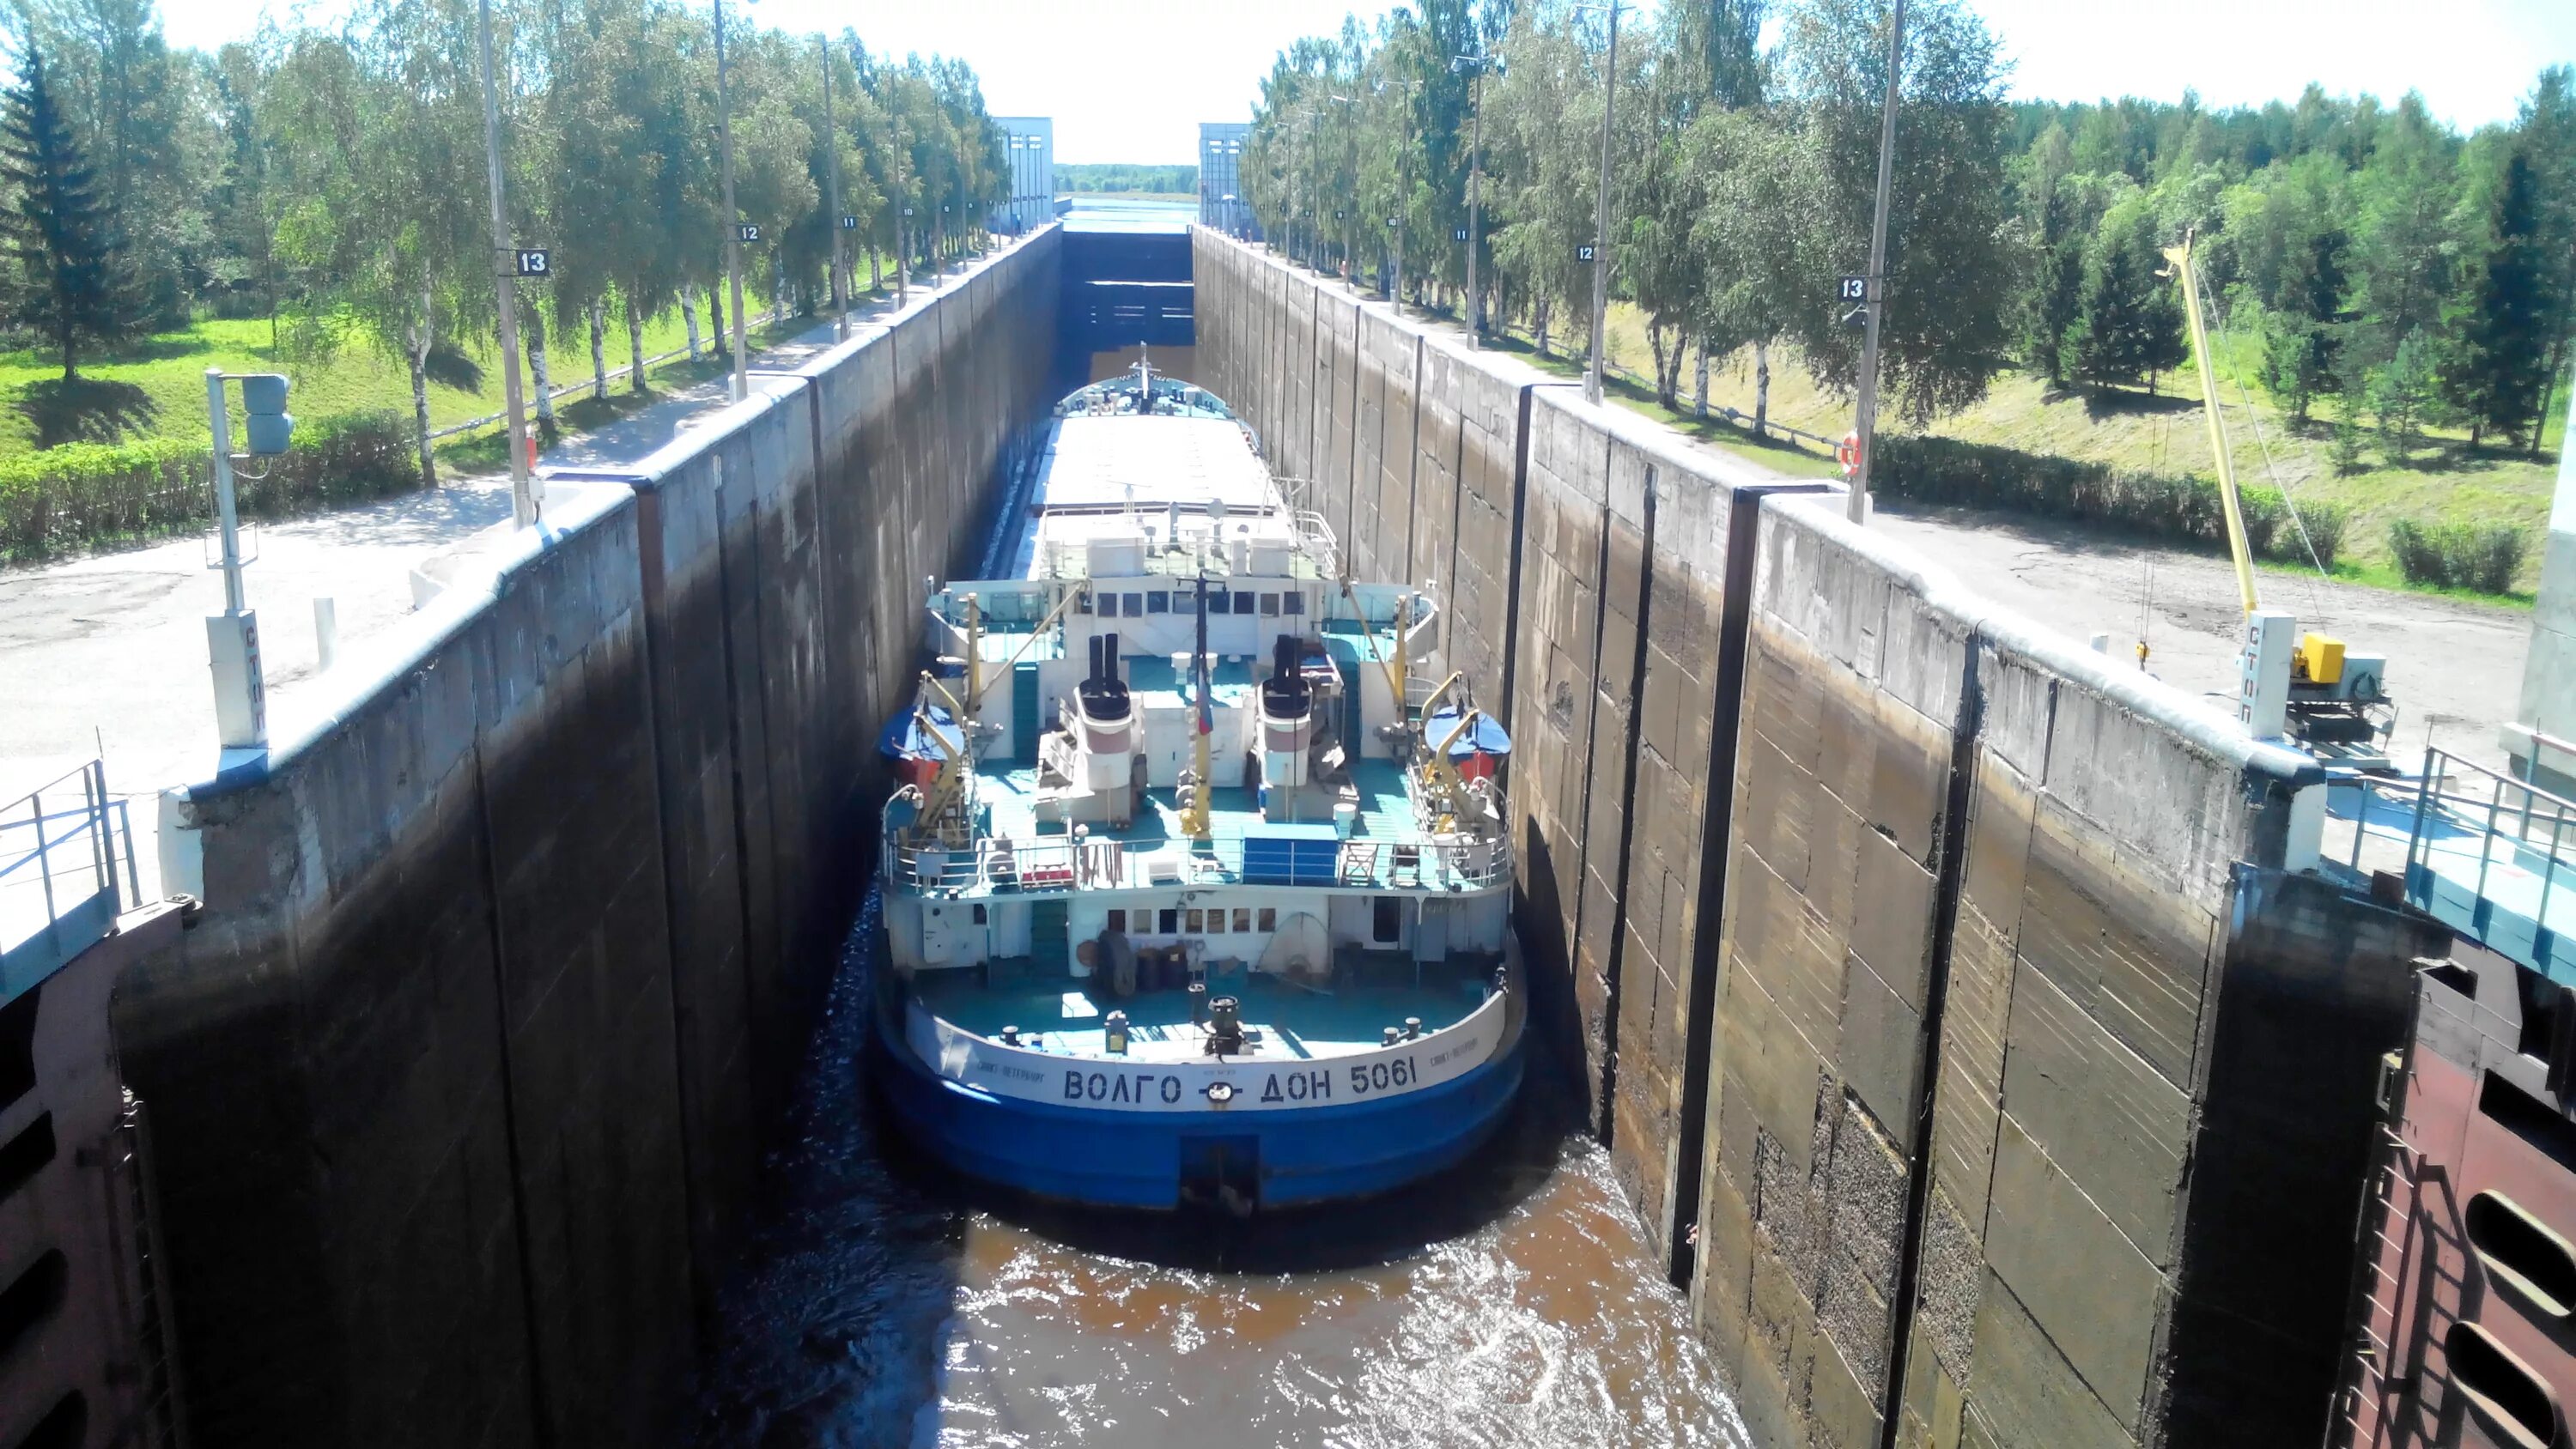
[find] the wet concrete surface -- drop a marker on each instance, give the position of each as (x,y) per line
(885,1303)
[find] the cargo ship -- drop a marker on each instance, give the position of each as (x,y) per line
(1196,869)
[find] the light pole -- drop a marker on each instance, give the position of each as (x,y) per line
(1349,213)
(733,220)
(902,216)
(1403,187)
(525,507)
(1476,64)
(1601,212)
(832,186)
(1865,422)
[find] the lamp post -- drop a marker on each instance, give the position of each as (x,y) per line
(1865,419)
(525,507)
(1344,213)
(1477,65)
(1403,188)
(832,190)
(733,220)
(902,218)
(1601,212)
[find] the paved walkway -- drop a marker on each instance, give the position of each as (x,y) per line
(106,656)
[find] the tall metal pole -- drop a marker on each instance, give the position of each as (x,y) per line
(525,507)
(832,186)
(902,215)
(1866,423)
(1601,219)
(733,220)
(227,519)
(1475,213)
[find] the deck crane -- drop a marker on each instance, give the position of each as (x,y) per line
(2306,686)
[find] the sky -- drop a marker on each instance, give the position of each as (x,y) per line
(1129,80)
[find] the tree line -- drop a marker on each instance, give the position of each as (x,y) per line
(331,178)
(2361,252)
(1120,177)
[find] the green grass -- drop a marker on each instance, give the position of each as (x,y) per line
(487,449)
(2437,481)
(156,387)
(1776,453)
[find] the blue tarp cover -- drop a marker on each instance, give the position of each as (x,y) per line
(904,739)
(1483,737)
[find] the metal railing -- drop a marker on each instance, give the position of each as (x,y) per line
(1051,864)
(2535,828)
(61,846)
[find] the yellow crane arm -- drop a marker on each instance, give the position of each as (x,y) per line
(2237,546)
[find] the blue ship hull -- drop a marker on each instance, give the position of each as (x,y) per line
(1298,1157)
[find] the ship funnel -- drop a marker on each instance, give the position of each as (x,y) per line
(1287,716)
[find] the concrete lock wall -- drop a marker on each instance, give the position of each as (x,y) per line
(1936,986)
(458,1086)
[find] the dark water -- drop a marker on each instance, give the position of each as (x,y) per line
(884,1304)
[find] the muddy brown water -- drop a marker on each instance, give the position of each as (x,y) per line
(883,1303)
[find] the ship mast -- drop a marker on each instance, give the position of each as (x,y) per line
(1194,819)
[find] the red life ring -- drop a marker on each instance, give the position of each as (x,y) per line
(1847,452)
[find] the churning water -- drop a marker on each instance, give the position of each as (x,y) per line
(1511,1303)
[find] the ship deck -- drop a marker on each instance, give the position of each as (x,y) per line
(1066,1016)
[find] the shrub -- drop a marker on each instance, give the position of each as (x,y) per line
(2484,557)
(2325,523)
(2167,506)
(61,499)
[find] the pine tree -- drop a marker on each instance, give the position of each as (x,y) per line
(2129,327)
(76,285)
(2504,340)
(2057,292)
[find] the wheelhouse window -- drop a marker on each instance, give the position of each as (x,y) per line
(1243,918)
(1197,922)
(1158,601)
(1269,605)
(1134,607)
(1243,603)
(1169,923)
(1219,601)
(1293,602)
(1269,918)
(1109,606)
(1216,921)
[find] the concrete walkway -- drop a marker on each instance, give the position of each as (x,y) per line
(106,656)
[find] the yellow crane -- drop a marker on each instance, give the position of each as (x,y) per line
(2328,696)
